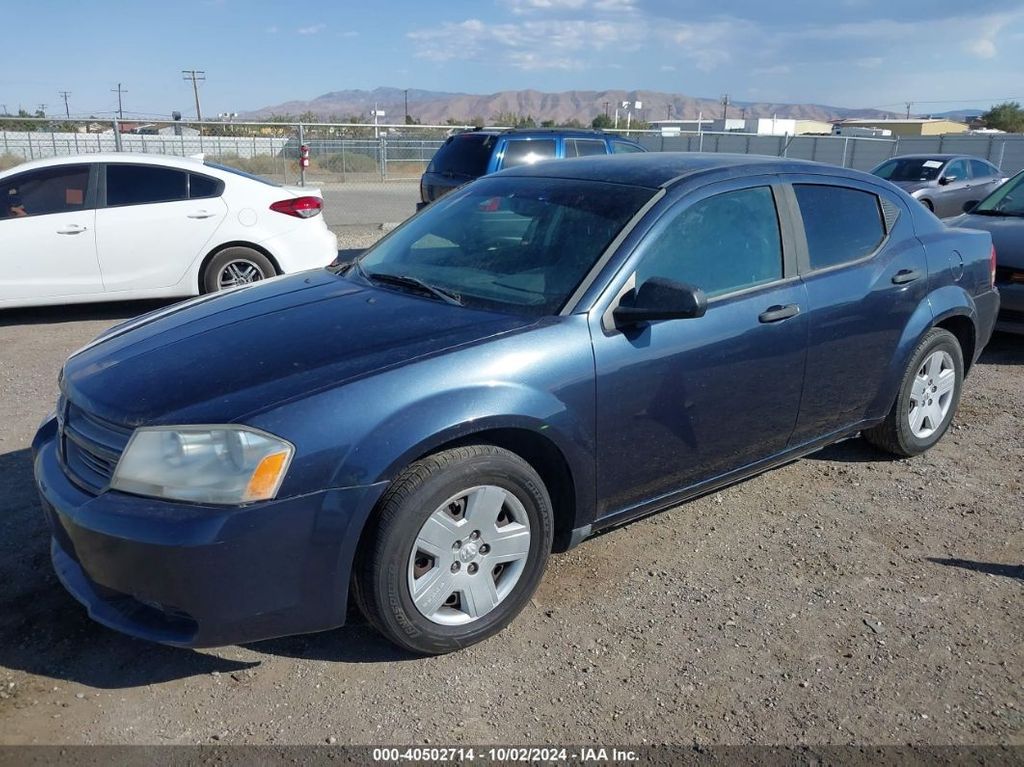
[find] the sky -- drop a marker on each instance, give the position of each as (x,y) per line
(939,54)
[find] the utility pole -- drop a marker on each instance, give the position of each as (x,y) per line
(64,95)
(606,114)
(725,107)
(42,110)
(909,104)
(406,106)
(120,110)
(195,75)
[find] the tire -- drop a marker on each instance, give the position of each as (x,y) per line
(928,205)
(249,266)
(934,378)
(475,585)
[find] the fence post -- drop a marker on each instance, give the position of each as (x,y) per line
(846,144)
(31,154)
(302,169)
(1002,152)
(7,149)
(942,140)
(382,151)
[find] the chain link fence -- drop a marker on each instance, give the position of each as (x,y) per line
(368,173)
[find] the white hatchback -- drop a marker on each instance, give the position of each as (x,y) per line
(108,227)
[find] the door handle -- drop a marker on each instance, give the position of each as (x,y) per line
(778,313)
(903,276)
(72,229)
(202,214)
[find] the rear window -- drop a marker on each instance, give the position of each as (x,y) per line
(582,147)
(623,147)
(203,186)
(981,169)
(910,169)
(237,172)
(465,155)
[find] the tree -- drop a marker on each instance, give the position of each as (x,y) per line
(601,122)
(1007,116)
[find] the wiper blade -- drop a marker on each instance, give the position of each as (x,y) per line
(405,280)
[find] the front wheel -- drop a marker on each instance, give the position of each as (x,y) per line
(460,545)
(928,397)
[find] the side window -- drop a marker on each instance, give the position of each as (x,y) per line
(841,224)
(720,244)
(981,169)
(958,170)
(623,147)
(581,147)
(142,184)
(203,186)
(61,189)
(525,152)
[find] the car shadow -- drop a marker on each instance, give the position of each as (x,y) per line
(45,632)
(108,310)
(1003,349)
(852,450)
(989,568)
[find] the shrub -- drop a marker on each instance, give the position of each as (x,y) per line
(348,162)
(8,160)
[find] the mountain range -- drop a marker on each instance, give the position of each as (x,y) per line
(435,107)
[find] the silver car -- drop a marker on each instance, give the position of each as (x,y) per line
(944,183)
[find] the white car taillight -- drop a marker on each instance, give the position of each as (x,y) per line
(300,207)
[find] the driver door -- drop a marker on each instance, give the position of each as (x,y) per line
(682,401)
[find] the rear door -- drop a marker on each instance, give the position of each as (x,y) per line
(47,234)
(526,151)
(584,147)
(150,231)
(865,274)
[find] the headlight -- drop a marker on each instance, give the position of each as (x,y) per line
(204,464)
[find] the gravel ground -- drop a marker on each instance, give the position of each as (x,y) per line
(844,598)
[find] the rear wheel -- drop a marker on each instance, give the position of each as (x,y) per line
(460,545)
(236,266)
(928,398)
(928,204)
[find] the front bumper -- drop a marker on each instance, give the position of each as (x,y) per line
(1011,308)
(195,576)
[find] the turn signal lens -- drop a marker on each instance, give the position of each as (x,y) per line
(267,477)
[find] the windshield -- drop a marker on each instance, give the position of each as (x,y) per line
(1007,200)
(910,169)
(465,154)
(518,245)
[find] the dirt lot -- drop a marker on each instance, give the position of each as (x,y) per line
(843,598)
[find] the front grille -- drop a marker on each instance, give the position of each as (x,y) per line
(90,447)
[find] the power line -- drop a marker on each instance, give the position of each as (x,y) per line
(120,110)
(195,75)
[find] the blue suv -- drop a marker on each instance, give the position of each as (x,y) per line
(543,354)
(469,155)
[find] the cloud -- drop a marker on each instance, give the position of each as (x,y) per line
(870,62)
(775,69)
(983,48)
(314,29)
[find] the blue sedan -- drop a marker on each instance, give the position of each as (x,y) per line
(543,354)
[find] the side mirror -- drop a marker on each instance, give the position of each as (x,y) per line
(970,205)
(660,299)
(947,180)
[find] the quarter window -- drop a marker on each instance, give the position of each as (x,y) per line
(61,189)
(523,152)
(721,244)
(841,224)
(202,186)
(623,147)
(142,184)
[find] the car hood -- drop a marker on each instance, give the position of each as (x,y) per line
(220,358)
(1007,235)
